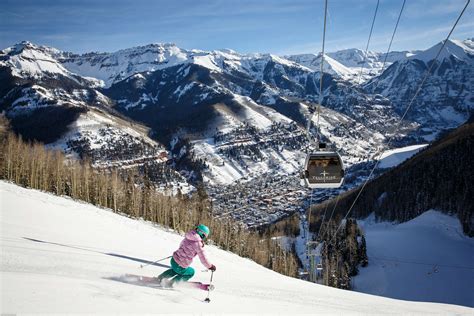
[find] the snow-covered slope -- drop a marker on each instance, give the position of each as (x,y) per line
(350,64)
(446,96)
(104,138)
(46,102)
(258,118)
(62,256)
(116,66)
(462,50)
(425,259)
(111,67)
(331,65)
(391,158)
(366,65)
(27,60)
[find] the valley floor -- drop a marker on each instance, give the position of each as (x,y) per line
(62,256)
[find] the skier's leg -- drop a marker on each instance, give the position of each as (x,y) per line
(168,274)
(184,275)
(188,274)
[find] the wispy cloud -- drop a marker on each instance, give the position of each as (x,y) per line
(11,14)
(57,37)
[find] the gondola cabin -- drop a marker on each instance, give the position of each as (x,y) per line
(323,170)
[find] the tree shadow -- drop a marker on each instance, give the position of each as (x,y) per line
(151,263)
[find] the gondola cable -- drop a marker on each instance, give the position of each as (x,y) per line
(360,74)
(391,40)
(322,221)
(322,168)
(368,41)
(397,127)
(320,98)
(311,118)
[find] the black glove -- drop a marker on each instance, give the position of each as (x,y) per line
(212,268)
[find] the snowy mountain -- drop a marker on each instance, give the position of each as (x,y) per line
(370,61)
(29,61)
(224,117)
(461,50)
(73,259)
(205,104)
(113,67)
(353,64)
(331,66)
(446,98)
(46,102)
(40,96)
(117,66)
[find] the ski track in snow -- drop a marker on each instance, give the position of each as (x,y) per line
(75,248)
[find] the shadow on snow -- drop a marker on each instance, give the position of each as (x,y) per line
(104,253)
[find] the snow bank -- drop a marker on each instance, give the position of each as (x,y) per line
(392,158)
(59,256)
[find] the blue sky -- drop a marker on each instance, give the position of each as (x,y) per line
(274,26)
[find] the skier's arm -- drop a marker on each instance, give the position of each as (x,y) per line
(202,256)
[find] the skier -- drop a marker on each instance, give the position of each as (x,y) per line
(192,245)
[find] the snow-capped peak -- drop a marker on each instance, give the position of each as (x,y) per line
(25,48)
(29,60)
(154,47)
(18,48)
(462,50)
(228,51)
(331,65)
(354,57)
(112,67)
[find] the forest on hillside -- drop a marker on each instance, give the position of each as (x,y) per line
(439,177)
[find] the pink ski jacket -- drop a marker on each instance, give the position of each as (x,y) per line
(191,246)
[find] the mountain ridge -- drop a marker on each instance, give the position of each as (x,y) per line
(232,116)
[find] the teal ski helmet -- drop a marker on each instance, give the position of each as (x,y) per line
(203,231)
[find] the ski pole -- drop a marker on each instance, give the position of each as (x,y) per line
(144,265)
(208,300)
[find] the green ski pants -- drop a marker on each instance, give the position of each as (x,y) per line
(178,273)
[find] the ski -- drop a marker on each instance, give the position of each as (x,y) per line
(197,285)
(152,282)
(155,282)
